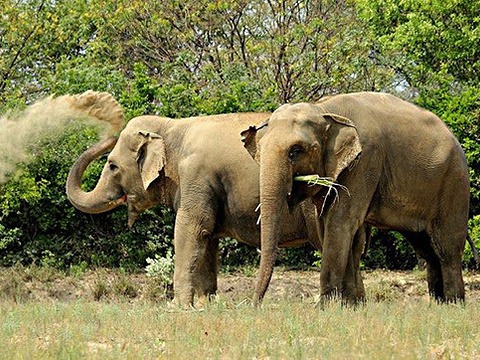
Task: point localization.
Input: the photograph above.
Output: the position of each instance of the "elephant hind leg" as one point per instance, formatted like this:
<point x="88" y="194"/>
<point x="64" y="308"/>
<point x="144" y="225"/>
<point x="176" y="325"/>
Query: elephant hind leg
<point x="360" y="245"/>
<point x="448" y="230"/>
<point x="421" y="242"/>
<point x="453" y="282"/>
<point x="449" y="249"/>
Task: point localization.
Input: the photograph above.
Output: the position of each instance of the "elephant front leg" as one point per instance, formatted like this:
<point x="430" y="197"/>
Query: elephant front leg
<point x="205" y="277"/>
<point x="190" y="249"/>
<point x="338" y="272"/>
<point x="196" y="258"/>
<point x="352" y="290"/>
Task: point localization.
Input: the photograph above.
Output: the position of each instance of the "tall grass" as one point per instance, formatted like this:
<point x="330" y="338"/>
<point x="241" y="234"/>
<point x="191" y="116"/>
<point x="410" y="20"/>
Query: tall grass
<point x="229" y="330"/>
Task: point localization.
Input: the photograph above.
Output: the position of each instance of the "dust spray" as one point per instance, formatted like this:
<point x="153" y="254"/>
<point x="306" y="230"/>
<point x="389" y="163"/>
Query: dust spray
<point x="20" y="131"/>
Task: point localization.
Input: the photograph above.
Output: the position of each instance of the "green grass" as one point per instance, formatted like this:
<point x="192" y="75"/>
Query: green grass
<point x="115" y="315"/>
<point x="225" y="330"/>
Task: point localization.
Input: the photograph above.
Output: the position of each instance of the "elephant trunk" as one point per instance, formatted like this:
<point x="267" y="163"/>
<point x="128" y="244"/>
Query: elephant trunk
<point x="275" y="186"/>
<point x="97" y="200"/>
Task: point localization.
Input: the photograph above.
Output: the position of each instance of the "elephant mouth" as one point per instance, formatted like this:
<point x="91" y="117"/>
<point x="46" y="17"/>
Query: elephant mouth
<point x="133" y="214"/>
<point x="300" y="192"/>
<point x="134" y="207"/>
<point x="132" y="211"/>
<point x="120" y="200"/>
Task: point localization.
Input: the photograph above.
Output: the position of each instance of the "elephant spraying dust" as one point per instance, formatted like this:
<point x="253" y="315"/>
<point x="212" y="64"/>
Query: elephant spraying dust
<point x="198" y="167"/>
<point x="404" y="170"/>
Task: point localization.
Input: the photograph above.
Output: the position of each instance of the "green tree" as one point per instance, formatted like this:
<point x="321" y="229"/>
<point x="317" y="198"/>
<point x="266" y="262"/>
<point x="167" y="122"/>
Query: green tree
<point x="34" y="36"/>
<point x="186" y="58"/>
<point x="284" y="50"/>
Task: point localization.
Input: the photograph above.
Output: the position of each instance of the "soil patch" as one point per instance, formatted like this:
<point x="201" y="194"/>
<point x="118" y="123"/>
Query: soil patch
<point x="23" y="284"/>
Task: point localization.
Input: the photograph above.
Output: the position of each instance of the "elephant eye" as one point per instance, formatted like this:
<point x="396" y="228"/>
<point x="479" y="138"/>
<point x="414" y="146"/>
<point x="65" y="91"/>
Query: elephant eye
<point x="113" y="167"/>
<point x="295" y="151"/>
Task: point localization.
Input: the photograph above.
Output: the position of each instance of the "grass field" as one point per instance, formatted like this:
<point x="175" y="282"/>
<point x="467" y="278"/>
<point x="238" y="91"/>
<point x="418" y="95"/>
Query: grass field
<point x="102" y="314"/>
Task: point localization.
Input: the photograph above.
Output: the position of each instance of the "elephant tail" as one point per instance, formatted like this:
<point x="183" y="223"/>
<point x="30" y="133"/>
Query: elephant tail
<point x="99" y="105"/>
<point x="474" y="250"/>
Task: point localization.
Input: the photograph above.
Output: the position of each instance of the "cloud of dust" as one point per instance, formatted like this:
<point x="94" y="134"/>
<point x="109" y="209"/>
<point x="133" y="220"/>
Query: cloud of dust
<point x="21" y="131"/>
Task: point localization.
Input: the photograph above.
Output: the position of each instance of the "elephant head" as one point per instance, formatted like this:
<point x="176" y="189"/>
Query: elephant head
<point x="296" y="140"/>
<point x="136" y="161"/>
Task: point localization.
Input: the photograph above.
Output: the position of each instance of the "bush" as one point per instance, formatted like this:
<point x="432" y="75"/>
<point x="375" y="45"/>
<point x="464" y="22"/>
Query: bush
<point x="389" y="250"/>
<point x="474" y="231"/>
<point x="161" y="268"/>
<point x="39" y="225"/>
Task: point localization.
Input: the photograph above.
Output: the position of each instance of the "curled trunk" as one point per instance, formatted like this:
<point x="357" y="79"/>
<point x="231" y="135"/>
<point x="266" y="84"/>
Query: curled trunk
<point x="99" y="199"/>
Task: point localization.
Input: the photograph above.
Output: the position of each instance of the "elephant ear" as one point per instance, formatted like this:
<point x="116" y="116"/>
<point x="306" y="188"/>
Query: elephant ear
<point x="249" y="138"/>
<point x="342" y="145"/>
<point x="151" y="156"/>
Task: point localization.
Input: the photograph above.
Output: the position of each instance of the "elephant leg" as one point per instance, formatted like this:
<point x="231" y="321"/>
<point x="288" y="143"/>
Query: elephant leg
<point x="190" y="242"/>
<point x="337" y="254"/>
<point x="448" y="232"/>
<point x="205" y="277"/>
<point x="359" y="244"/>
<point x="349" y="285"/>
<point x="422" y="244"/>
<point x="449" y="248"/>
<point x="352" y="288"/>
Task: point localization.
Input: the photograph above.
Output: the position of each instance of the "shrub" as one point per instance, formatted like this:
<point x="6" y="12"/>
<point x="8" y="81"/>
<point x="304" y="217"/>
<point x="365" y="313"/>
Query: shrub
<point x="39" y="225"/>
<point x="474" y="232"/>
<point x="161" y="268"/>
<point x="390" y="250"/>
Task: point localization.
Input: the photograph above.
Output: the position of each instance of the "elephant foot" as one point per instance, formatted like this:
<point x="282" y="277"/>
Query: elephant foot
<point x="182" y="302"/>
<point x="204" y="300"/>
<point x="335" y="297"/>
<point x="460" y="300"/>
<point x="327" y="298"/>
<point x="175" y="306"/>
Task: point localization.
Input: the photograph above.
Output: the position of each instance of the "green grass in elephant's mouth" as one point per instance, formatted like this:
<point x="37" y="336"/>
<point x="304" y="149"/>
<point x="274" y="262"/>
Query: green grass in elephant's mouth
<point x="316" y="179"/>
<point x="310" y="185"/>
<point x="301" y="190"/>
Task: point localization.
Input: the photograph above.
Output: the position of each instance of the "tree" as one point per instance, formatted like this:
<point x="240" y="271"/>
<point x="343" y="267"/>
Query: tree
<point x="34" y="36"/>
<point x="291" y="49"/>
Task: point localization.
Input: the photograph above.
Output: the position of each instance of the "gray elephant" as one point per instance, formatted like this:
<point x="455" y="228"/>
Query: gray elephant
<point x="404" y="170"/>
<point x="198" y="167"/>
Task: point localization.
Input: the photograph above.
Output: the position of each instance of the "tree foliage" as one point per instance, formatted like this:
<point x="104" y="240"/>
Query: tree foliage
<point x="185" y="58"/>
<point x="288" y="49"/>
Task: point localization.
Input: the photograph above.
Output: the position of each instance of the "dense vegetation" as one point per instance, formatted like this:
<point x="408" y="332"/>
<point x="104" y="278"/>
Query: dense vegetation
<point x="184" y="58"/>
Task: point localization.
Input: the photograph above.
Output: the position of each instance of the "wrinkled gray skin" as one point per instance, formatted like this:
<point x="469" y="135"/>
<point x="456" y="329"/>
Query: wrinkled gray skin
<point x="404" y="171"/>
<point x="198" y="167"/>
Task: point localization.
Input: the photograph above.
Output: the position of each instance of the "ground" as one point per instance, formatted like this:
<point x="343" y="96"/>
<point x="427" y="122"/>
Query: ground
<point x="34" y="283"/>
<point x="105" y="314"/>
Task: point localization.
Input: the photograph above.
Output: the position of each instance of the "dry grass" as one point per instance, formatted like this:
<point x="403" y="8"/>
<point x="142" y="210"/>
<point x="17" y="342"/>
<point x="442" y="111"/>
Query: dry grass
<point x="398" y="321"/>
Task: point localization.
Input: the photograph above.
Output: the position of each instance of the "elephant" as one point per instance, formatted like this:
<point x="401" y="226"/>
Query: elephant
<point x="401" y="166"/>
<point x="198" y="167"/>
